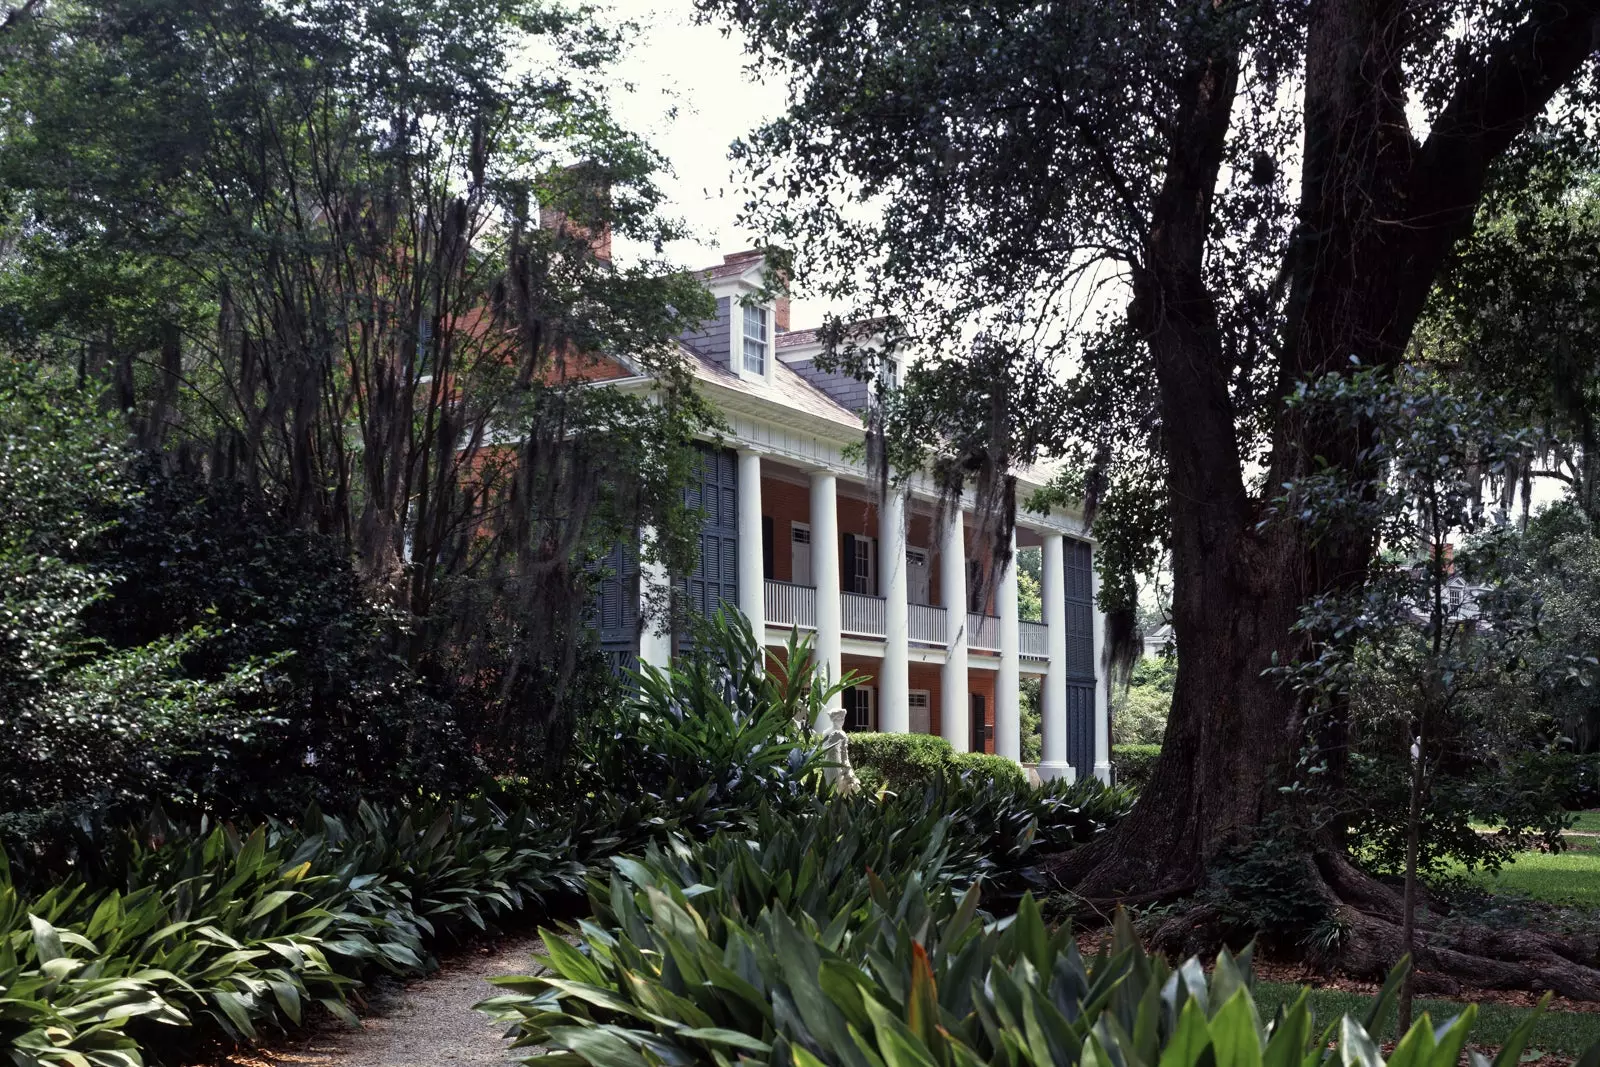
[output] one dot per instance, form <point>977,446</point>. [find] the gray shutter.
<point>1081,680</point>
<point>715,494</point>
<point>616,608</point>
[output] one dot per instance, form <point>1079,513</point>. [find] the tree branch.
<point>16,16</point>
<point>1489,109</point>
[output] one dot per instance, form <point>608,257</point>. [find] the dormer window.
<point>756,340</point>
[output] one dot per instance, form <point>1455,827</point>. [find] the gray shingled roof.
<point>786,389</point>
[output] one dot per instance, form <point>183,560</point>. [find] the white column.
<point>894,679</point>
<point>1054,725</point>
<point>655,632</point>
<point>1008,683</point>
<point>1102,691</point>
<point>955,710</point>
<point>752,576</point>
<point>825,572</point>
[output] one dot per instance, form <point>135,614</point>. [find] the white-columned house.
<point>792,537</point>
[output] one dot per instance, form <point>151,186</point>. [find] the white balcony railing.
<point>983,632</point>
<point>926,624</point>
<point>863,616</point>
<point>791,605</point>
<point>1035,640</point>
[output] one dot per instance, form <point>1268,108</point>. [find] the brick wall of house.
<point>784,503</point>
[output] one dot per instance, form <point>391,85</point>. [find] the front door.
<point>921,712</point>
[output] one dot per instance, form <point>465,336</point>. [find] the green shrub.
<point>340,720</point>
<point>985,766</point>
<point>899,761</point>
<point>88,730</point>
<point>716,733</point>
<point>1134,764</point>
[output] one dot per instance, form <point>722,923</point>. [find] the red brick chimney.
<point>585,187</point>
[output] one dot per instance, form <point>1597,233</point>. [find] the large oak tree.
<point>1196,206</point>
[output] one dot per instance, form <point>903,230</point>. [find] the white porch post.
<point>825,572</point>
<point>752,576</point>
<point>1054,725</point>
<point>1102,690</point>
<point>655,632</point>
<point>955,709</point>
<point>1008,683</point>
<point>894,678</point>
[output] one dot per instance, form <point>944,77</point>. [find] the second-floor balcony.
<point>790,605</point>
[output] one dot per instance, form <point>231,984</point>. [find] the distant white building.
<point>1158,641</point>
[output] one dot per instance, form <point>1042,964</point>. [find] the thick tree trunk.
<point>1379,214</point>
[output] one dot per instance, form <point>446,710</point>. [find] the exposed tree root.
<point>1454,952</point>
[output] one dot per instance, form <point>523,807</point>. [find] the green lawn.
<point>1563,1033</point>
<point>1587,820</point>
<point>1571,877</point>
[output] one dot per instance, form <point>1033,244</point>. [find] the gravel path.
<point>425,1023</point>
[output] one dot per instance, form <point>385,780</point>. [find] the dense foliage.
<point>335,258</point>
<point>179,645</point>
<point>88,728</point>
<point>1132,764</point>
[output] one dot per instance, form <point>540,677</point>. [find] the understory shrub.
<point>684,961</point>
<point>1132,765</point>
<point>338,718</point>
<point>209,933</point>
<point>167,643</point>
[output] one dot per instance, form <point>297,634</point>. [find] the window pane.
<point>755,339</point>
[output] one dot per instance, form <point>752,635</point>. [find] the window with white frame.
<point>861,561</point>
<point>756,337</point>
<point>861,708</point>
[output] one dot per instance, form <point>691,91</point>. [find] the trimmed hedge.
<point>901,762</point>
<point>1132,765</point>
<point>985,765</point>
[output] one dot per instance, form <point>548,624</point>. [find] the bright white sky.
<point>699,71</point>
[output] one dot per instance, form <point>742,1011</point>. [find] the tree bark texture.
<point>1379,214</point>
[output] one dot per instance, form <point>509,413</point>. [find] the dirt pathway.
<point>427,1022</point>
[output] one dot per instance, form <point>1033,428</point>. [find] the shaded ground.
<point>424,1023</point>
